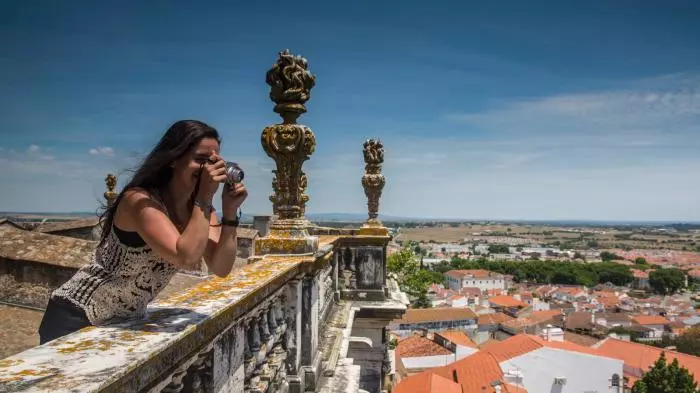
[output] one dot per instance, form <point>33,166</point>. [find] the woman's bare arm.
<point>221,248</point>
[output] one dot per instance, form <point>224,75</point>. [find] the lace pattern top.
<point>119,282</point>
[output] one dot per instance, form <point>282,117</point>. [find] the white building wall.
<point>583,373</point>
<point>540,306</point>
<point>461,302</point>
<point>463,351</point>
<point>484,284</point>
<point>420,362</point>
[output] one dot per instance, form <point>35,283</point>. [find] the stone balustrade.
<point>278,324</point>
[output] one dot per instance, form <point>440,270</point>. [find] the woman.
<point>161,221</point>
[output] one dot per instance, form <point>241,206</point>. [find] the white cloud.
<point>33,148</point>
<point>104,151</point>
<point>659,111</point>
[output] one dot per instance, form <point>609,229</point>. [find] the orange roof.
<point>479,370</point>
<point>609,301</point>
<point>506,301</point>
<point>642,356</point>
<point>650,320</point>
<point>418,315</point>
<point>494,318</point>
<point>533,319</point>
<point>427,382</point>
<point>694,273</point>
<point>458,337</point>
<point>569,290</point>
<point>639,273</point>
<point>473,372</point>
<point>513,347</point>
<point>416,346</point>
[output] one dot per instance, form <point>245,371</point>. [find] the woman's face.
<point>186,168</point>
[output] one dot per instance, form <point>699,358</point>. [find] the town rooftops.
<point>417,346</point>
<point>419,315</point>
<point>477,372</point>
<point>58,226</point>
<point>650,320</point>
<point>21,245</point>
<point>640,357</point>
<point>473,273</point>
<point>506,301</point>
<point>493,319</point>
<point>457,337</point>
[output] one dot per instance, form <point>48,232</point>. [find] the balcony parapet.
<point>268,327</point>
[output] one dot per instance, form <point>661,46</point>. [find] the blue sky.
<point>503,110</point>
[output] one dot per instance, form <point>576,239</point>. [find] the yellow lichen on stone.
<point>101,345</point>
<point>10,362</point>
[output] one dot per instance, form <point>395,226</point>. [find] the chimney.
<point>262,224</point>
<point>593,317</point>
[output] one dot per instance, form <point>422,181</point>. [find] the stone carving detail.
<point>265,345</point>
<point>349,274</point>
<point>193,375</point>
<point>373,181</point>
<point>289,143</point>
<point>111,183</point>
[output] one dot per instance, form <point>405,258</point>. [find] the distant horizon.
<point>359,217</point>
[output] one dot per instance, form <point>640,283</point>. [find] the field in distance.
<point>672,237</point>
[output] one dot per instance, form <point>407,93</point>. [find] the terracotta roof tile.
<point>427,382</point>
<point>458,337</point>
<point>417,315</point>
<point>415,346</point>
<point>642,357</point>
<point>473,372</point>
<point>536,317</point>
<point>650,320</point>
<point>492,319</point>
<point>506,301</point>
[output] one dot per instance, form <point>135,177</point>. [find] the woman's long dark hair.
<point>155,171</point>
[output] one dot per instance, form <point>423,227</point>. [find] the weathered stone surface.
<point>133,353</point>
<point>29,246</point>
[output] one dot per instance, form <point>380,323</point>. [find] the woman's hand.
<point>212,173</point>
<point>232,198</point>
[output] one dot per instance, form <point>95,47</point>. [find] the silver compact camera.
<point>234,173</point>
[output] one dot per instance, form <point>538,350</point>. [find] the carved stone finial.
<point>290,145</point>
<point>290,85</point>
<point>110,195</point>
<point>373,181</point>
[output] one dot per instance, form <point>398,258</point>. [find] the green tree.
<point>402,263</point>
<point>499,249</point>
<point>640,261</point>
<point>666,378</point>
<point>421,301</point>
<point>609,256</point>
<point>667,281</point>
<point>689,342</point>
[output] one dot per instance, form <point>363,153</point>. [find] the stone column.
<point>289,144</point>
<point>309,332</point>
<point>373,182</point>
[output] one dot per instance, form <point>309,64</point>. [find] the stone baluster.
<point>202,372</point>
<point>176,385</point>
<point>272,321</point>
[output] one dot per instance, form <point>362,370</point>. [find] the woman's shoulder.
<point>138,195</point>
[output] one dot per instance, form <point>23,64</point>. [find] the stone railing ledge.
<point>129,356</point>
